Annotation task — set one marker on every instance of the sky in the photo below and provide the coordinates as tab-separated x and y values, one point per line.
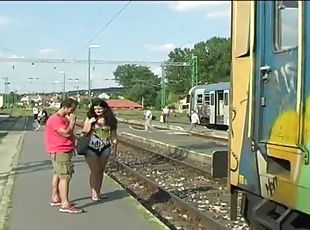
142	31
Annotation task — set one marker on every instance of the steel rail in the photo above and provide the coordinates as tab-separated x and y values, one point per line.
192	211
183	163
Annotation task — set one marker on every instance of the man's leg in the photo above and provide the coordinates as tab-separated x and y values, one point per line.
55	191
191	127
64	192
65	169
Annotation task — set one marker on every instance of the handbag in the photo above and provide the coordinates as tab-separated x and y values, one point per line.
82	144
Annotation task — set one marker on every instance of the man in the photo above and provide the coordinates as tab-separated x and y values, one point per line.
60	144
165	114
42	118
35	112
148	119
194	120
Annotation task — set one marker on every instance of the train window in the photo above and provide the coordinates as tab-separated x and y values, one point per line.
225	99
207	99
199	98
188	97
286	25
242	29
212	99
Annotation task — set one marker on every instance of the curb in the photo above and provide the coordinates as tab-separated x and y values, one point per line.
175	128
5	200
214	161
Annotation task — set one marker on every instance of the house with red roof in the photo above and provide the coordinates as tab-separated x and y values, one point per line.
123	104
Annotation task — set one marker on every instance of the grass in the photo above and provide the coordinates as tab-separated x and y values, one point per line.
17	111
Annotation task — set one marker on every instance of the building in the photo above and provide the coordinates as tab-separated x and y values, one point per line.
123	104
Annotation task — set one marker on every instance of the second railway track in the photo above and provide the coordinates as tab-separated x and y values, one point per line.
202	201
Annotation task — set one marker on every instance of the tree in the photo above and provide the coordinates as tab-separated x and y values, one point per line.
178	77
138	81
213	65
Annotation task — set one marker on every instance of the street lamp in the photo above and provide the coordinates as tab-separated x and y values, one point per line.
64	84
88	79
55	83
6	90
31	81
76	80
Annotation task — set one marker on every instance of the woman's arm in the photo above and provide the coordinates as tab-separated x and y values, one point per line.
87	125
113	139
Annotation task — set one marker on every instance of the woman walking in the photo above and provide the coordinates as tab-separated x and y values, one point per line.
101	125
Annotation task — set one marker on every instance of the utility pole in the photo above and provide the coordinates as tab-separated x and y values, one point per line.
64	84
88	77
163	78
194	67
88	71
163	87
6	90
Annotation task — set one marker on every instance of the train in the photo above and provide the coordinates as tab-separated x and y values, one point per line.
269	120
211	102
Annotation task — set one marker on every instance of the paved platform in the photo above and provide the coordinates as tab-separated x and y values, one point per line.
30	208
176	138
198	130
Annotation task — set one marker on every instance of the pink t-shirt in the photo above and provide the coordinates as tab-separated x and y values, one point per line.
54	142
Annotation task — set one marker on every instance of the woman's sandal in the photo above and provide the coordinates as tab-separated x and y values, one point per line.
95	199
102	196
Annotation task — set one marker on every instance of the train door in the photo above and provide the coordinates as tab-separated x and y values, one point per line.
276	75
212	107
199	101
226	107
219	107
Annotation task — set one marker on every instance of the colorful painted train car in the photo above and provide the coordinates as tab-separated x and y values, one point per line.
270	113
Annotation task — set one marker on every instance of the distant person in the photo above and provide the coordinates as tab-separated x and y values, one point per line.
148	119
42	118
101	125
165	114
35	112
194	120
60	144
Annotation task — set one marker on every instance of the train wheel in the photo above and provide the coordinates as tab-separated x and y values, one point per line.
259	213
248	203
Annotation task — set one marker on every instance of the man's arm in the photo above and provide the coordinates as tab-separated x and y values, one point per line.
68	131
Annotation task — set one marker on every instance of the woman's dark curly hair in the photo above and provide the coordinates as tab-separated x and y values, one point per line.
107	112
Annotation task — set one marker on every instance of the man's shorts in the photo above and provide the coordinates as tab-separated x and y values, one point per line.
62	164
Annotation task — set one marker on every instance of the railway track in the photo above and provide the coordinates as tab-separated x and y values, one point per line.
210	136
184	195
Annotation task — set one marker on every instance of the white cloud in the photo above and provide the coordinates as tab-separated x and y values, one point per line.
219	14
190	46
6	54
185	6
15	56
156	70
160	48
48	51
4	21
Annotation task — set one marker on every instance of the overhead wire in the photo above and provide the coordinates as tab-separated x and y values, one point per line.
109	22
103	28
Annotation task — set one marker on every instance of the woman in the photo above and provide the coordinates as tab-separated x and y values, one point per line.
101	125
42	118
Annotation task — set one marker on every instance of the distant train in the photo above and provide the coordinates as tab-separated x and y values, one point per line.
211	101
